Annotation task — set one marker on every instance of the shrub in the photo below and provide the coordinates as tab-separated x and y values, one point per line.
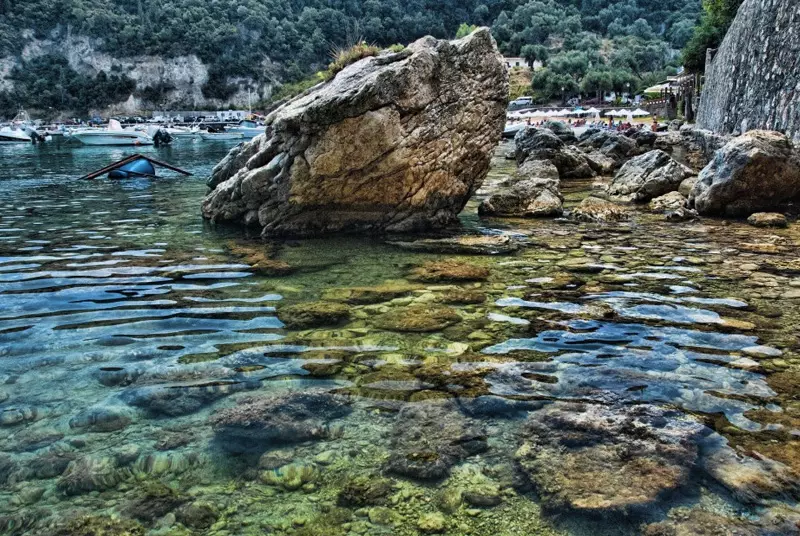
348	56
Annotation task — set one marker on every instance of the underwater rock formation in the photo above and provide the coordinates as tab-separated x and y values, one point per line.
314	314
593	458
668	202
532	198
751	82
183	399
450	270
397	142
257	423
755	172
650	175
418	319
429	438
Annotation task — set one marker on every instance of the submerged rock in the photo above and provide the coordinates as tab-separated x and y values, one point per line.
369	295
98	526
91	473
596	458
101	419
397	142
438	271
650	175
258	423
752	479
365	491
430	438
463	245
595	210
183	399
314	314
758	171
532	198
419	318
767	219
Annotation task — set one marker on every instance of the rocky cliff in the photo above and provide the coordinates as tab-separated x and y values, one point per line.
397	142
753	81
183	76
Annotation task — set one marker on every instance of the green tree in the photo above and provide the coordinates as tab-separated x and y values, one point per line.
717	18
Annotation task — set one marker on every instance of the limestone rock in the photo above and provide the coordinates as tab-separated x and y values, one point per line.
594	458
542	144
668	202
650	175
533	198
397	142
257	423
755	172
600	163
429	438
686	187
750	84
767	219
562	130
314	314
595	210
538	169
462	245
619	148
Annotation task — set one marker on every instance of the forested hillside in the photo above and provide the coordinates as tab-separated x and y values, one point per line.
587	45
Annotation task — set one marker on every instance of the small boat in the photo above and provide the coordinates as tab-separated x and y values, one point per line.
135	165
217	136
140	167
511	130
113	135
249	129
13	135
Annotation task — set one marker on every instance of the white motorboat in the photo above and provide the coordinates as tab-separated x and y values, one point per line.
249	129
21	130
13	135
113	135
217	136
182	132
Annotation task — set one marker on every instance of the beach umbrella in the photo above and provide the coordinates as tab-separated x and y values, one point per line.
592	110
640	113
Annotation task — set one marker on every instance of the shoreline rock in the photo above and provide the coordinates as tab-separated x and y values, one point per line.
394	143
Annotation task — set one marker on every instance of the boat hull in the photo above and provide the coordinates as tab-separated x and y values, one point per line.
14	136
112	138
217	136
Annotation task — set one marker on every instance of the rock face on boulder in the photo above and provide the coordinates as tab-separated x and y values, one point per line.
647	176
397	142
532	198
755	172
542	144
751	83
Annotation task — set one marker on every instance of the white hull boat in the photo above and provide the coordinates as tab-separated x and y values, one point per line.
248	129
13	135
113	135
216	136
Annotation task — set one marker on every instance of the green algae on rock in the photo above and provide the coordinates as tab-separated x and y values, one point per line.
418	318
313	315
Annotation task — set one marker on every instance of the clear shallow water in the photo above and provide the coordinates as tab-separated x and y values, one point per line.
147	358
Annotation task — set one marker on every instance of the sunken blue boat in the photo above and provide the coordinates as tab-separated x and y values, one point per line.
141	167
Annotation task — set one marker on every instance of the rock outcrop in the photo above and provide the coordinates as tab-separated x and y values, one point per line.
543	144
397	143
650	175
756	172
532	198
752	82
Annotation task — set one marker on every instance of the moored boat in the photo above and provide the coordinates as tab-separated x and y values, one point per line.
113	135
217	136
248	129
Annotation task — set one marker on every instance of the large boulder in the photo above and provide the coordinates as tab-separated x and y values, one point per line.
650	175
532	198
755	172
397	142
752	81
543	144
564	132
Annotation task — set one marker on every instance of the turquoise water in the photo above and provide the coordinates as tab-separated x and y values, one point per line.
162	376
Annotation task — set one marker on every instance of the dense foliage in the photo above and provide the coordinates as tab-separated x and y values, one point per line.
717	18
588	45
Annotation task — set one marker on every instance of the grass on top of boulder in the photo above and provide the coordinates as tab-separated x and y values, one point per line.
347	56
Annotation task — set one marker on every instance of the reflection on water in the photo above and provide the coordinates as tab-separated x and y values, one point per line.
161	376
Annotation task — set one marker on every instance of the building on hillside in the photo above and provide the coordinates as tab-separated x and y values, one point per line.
512	62
220	115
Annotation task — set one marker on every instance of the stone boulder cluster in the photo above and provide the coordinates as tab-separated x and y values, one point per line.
398	142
